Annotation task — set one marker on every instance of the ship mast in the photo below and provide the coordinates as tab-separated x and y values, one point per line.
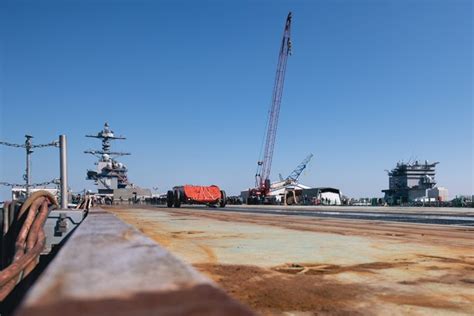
110	174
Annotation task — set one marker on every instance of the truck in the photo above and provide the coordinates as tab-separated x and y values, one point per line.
195	194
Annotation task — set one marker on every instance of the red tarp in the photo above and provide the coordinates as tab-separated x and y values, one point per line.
202	194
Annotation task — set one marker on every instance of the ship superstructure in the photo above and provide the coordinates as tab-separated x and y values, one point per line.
110	174
411	182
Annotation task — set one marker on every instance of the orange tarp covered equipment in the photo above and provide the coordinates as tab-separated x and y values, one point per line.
201	193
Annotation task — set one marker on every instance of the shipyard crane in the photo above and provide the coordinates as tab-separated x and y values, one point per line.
295	174
262	176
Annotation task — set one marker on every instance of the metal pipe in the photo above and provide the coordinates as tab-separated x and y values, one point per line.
63	170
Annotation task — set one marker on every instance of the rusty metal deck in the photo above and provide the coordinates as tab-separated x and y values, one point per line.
294	264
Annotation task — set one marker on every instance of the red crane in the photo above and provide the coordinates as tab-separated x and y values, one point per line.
262	177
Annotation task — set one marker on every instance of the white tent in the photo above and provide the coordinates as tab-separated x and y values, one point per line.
280	188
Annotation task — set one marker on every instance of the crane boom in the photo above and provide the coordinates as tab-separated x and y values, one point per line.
295	174
264	165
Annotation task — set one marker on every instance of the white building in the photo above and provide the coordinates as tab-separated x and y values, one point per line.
439	194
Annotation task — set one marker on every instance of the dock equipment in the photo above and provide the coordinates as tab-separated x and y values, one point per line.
262	176
295	174
195	194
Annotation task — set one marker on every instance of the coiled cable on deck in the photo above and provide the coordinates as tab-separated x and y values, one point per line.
30	240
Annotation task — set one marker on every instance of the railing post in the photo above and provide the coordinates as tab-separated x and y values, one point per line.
29	151
63	170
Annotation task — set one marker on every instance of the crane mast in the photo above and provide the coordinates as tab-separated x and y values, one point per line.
262	177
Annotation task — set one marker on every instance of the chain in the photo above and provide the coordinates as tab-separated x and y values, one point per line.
52	144
54	181
12	145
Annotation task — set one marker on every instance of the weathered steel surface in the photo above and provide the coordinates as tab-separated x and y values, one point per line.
109	267
372	209
59	224
280	264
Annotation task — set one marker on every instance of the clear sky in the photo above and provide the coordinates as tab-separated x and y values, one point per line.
189	83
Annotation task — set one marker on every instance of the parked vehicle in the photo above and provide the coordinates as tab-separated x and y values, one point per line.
196	194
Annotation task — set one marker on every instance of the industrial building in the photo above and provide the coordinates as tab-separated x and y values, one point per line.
321	196
297	193
414	182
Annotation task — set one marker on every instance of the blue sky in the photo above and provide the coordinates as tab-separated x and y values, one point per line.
189	83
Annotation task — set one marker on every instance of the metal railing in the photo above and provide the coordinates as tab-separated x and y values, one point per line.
62	181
